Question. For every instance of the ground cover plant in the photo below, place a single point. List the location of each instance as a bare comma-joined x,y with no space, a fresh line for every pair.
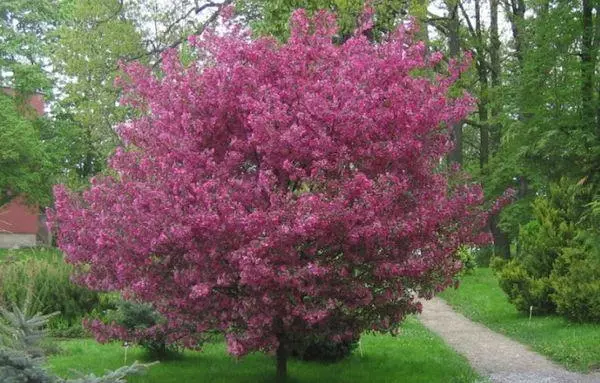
415,356
279,193
480,298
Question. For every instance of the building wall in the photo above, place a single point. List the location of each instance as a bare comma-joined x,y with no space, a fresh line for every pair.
9,241
18,218
36,101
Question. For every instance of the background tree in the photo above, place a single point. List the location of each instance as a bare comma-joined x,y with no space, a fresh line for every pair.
23,26
25,166
271,18
92,38
250,203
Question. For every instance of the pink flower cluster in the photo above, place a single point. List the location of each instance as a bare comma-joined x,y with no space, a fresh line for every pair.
274,189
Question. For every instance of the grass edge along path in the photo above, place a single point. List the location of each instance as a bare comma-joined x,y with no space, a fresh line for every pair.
416,355
480,298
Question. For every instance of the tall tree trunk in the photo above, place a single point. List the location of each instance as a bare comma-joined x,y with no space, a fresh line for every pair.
456,154
516,14
501,239
482,105
588,66
595,44
282,357
495,68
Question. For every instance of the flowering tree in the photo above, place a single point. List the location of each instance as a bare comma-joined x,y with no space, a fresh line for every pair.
274,192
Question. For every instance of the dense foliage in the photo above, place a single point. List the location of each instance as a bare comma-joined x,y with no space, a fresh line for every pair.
272,18
280,190
138,323
25,166
556,267
43,278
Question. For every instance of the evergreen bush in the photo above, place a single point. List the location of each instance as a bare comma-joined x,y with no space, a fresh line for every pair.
557,268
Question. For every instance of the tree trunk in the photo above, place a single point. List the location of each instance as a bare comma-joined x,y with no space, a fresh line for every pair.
482,105
456,154
588,66
495,68
501,240
595,44
516,14
282,357
587,61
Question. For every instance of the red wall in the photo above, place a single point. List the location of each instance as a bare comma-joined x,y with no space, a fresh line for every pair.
36,100
18,218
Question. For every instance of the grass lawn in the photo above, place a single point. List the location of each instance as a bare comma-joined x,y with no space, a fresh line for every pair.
479,297
415,356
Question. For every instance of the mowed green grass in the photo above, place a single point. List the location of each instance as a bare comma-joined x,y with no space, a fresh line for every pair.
415,356
574,345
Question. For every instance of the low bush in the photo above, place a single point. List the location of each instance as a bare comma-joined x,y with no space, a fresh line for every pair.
576,279
137,323
43,274
524,291
468,258
326,350
483,256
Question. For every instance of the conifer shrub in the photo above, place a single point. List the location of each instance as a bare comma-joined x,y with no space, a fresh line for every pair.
22,336
557,269
525,291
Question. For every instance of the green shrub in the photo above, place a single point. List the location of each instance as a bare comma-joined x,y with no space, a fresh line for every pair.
60,328
325,350
557,268
576,279
467,257
137,323
526,278
45,276
524,291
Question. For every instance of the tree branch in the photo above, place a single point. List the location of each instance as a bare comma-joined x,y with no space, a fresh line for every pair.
472,123
468,20
157,50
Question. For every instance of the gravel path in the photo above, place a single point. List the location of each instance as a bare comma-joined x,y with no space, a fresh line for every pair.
493,355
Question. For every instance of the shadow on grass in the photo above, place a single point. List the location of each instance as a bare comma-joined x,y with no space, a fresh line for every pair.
414,357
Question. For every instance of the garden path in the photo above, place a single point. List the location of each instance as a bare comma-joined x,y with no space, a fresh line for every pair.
493,355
